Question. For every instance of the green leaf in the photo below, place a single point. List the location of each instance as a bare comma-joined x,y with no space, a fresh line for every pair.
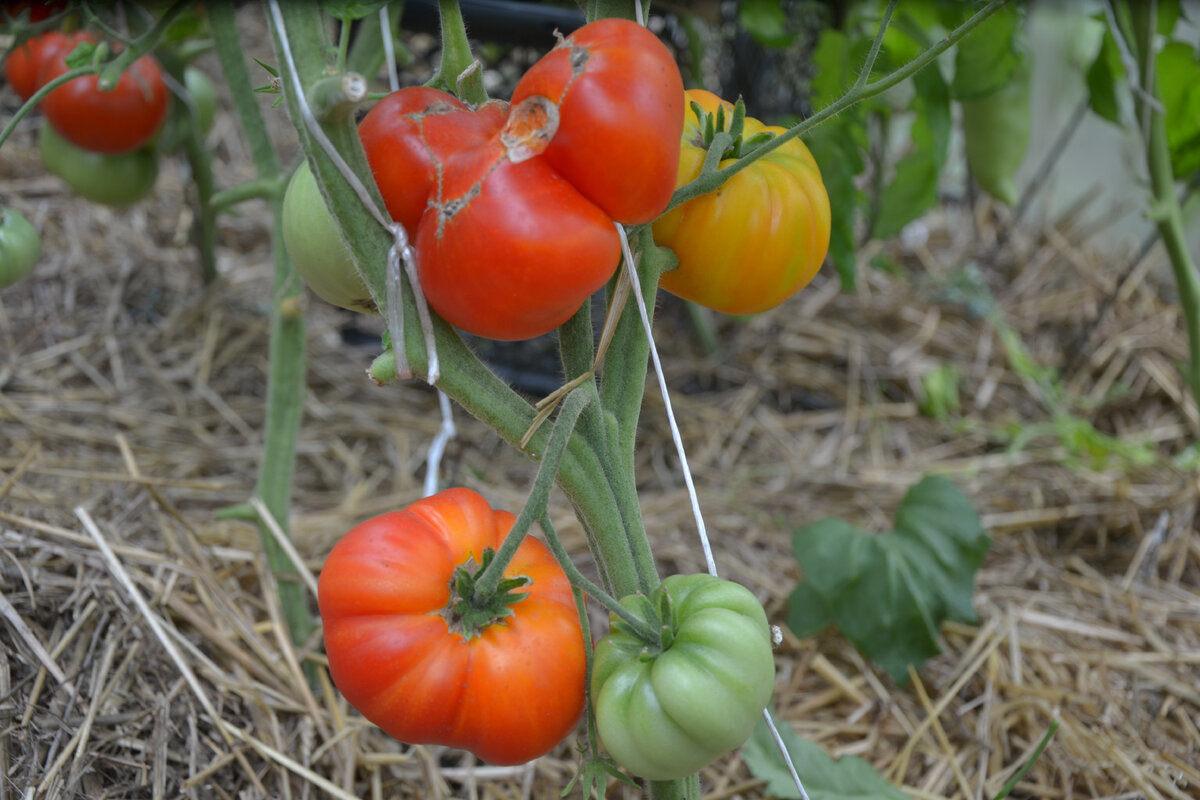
889,594
350,10
1179,88
840,160
766,22
1104,78
914,189
833,68
848,778
987,58
82,56
939,388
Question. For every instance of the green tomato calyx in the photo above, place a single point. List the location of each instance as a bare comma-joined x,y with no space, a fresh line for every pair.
712,124
468,615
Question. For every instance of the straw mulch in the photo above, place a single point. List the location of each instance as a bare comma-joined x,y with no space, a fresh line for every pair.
141,653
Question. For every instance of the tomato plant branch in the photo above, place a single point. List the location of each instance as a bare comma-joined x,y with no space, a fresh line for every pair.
873,54
580,581
456,57
143,44
1165,210
38,96
539,496
709,180
254,189
286,369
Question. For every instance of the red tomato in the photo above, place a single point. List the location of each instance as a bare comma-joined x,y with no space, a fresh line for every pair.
110,122
23,64
509,693
620,101
410,129
511,250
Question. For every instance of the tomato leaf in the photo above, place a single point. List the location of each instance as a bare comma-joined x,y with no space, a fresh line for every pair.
1104,78
350,10
889,594
914,189
840,160
1179,88
766,22
848,778
987,58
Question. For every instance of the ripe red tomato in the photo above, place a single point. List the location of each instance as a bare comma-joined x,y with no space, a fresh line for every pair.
620,101
400,655
112,122
24,63
511,250
411,129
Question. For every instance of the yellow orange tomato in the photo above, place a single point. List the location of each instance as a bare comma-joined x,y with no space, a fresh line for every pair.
756,240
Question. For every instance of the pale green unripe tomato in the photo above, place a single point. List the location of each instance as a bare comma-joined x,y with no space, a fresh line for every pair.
315,245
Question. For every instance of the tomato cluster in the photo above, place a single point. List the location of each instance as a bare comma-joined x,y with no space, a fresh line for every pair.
512,210
509,689
104,143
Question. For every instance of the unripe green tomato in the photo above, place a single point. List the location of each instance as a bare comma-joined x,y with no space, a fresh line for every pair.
996,133
20,247
115,180
203,94
315,245
664,716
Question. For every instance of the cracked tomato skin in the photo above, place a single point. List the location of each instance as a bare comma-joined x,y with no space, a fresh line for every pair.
111,122
508,695
620,100
759,238
511,249
408,133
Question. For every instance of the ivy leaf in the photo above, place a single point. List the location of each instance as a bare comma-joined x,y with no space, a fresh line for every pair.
914,189
985,60
766,22
1179,88
889,594
848,778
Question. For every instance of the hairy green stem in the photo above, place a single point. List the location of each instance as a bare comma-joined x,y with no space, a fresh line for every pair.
588,587
143,44
286,370
39,95
452,75
256,189
539,496
1165,211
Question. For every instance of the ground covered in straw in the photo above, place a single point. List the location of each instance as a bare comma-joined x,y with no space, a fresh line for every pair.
140,649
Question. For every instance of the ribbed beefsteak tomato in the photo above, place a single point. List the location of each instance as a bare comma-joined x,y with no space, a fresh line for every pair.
403,654
760,237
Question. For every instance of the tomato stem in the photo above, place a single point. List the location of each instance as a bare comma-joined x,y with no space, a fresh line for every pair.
456,57
286,365
488,580
633,622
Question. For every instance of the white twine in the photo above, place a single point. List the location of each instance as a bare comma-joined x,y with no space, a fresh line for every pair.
662,386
